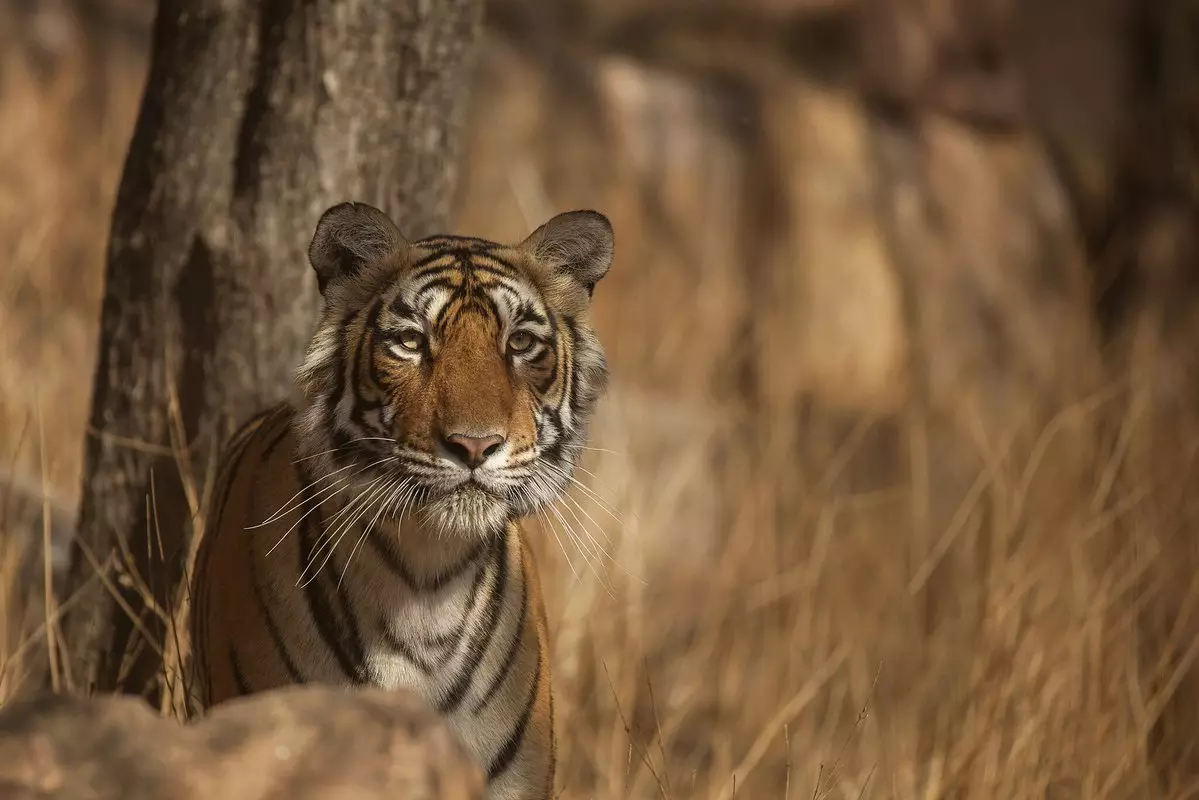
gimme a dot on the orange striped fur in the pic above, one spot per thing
(370, 534)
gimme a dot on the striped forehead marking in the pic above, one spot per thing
(464, 271)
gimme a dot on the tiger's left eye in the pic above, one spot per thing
(521, 342)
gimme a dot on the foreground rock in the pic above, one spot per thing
(297, 743)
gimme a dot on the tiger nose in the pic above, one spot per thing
(472, 450)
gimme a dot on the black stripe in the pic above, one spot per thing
(455, 636)
(340, 440)
(497, 270)
(349, 619)
(399, 306)
(424, 306)
(450, 640)
(446, 284)
(513, 646)
(404, 649)
(337, 364)
(328, 625)
(392, 560)
(239, 677)
(507, 753)
(396, 564)
(235, 451)
(516, 298)
(572, 375)
(480, 307)
(376, 377)
(444, 241)
(559, 353)
(553, 452)
(320, 608)
(546, 382)
(477, 650)
(275, 440)
(494, 263)
(359, 404)
(272, 627)
(421, 266)
(527, 313)
(447, 314)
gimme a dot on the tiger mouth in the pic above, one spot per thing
(471, 491)
(471, 488)
(468, 509)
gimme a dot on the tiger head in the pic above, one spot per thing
(454, 377)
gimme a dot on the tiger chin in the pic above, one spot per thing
(368, 534)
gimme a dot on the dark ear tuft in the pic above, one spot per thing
(348, 237)
(578, 243)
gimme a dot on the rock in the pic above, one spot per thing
(301, 742)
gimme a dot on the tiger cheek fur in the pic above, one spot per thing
(370, 534)
(404, 387)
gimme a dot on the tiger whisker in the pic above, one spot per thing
(566, 497)
(343, 513)
(574, 501)
(345, 446)
(348, 516)
(595, 551)
(403, 502)
(591, 493)
(397, 486)
(574, 458)
(348, 526)
(597, 478)
(583, 551)
(595, 449)
(611, 558)
(286, 510)
(332, 536)
(544, 510)
(296, 524)
(562, 547)
(327, 542)
(331, 495)
(328, 491)
(287, 507)
(523, 494)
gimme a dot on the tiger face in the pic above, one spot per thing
(454, 377)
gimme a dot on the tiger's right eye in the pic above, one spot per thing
(411, 340)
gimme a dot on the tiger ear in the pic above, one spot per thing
(348, 238)
(577, 243)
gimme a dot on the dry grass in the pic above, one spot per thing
(867, 516)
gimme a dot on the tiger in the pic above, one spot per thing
(367, 531)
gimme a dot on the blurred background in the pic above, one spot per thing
(894, 492)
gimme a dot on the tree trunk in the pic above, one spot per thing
(256, 117)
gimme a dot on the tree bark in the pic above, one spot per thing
(256, 116)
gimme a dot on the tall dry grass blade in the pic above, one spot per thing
(56, 682)
(789, 711)
(628, 730)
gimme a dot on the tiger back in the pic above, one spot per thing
(370, 533)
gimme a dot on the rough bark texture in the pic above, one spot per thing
(296, 743)
(256, 116)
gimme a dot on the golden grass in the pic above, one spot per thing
(824, 550)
